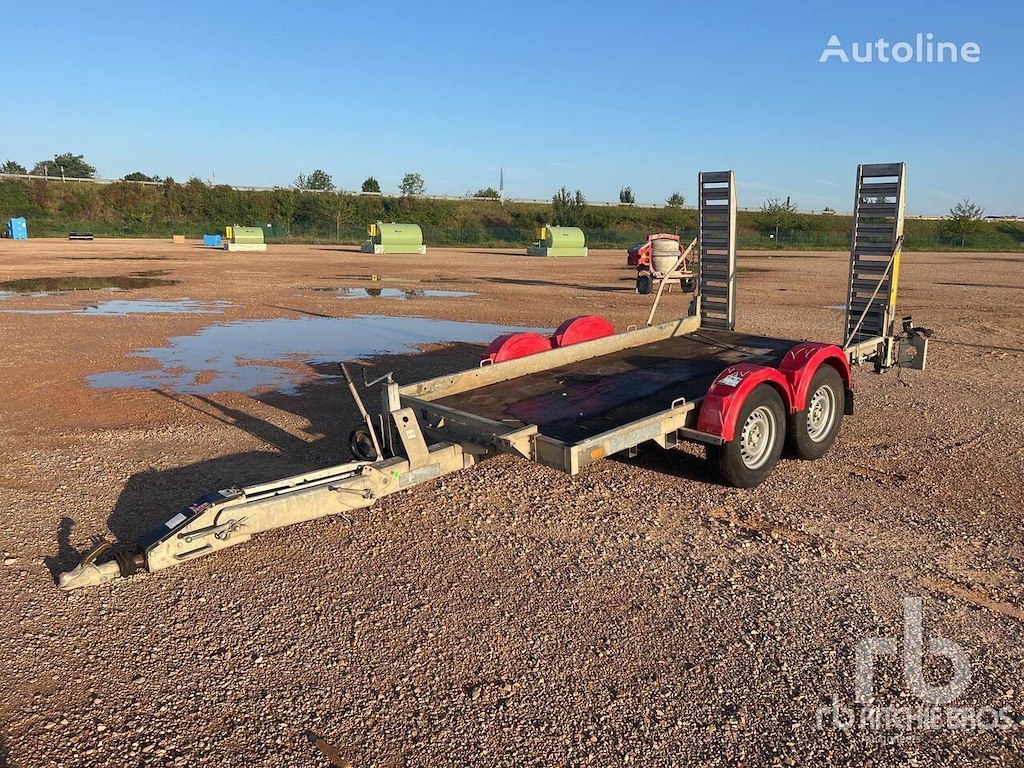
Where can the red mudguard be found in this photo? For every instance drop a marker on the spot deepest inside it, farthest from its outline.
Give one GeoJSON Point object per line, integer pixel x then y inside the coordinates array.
{"type": "Point", "coordinates": [792, 380]}
{"type": "Point", "coordinates": [722, 404]}
{"type": "Point", "coordinates": [802, 362]}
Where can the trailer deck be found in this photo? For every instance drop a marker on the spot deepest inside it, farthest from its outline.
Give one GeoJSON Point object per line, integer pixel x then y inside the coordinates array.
{"type": "Point", "coordinates": [580, 400]}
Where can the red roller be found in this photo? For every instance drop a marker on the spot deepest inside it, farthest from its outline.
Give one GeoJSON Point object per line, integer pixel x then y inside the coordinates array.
{"type": "Point", "coordinates": [583, 328]}
{"type": "Point", "coordinates": [513, 345]}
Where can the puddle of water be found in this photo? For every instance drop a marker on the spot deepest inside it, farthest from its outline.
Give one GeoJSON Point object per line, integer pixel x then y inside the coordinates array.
{"type": "Point", "coordinates": [122, 307]}
{"type": "Point", "coordinates": [405, 280]}
{"type": "Point", "coordinates": [400, 293]}
{"type": "Point", "coordinates": [244, 356]}
{"type": "Point", "coordinates": [376, 278]}
{"type": "Point", "coordinates": [44, 286]}
{"type": "Point", "coordinates": [156, 307]}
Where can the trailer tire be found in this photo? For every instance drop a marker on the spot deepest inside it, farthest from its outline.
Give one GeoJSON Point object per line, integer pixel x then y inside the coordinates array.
{"type": "Point", "coordinates": [361, 445]}
{"type": "Point", "coordinates": [747, 459]}
{"type": "Point", "coordinates": [644, 283]}
{"type": "Point", "coordinates": [813, 430]}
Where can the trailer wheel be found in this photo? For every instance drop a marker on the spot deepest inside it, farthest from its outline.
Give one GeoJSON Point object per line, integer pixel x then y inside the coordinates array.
{"type": "Point", "coordinates": [644, 283]}
{"type": "Point", "coordinates": [747, 459]}
{"type": "Point", "coordinates": [813, 430]}
{"type": "Point", "coordinates": [361, 445]}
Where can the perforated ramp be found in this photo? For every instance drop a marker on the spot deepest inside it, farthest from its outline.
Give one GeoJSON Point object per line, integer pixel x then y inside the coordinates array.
{"type": "Point", "coordinates": [584, 399]}
{"type": "Point", "coordinates": [717, 236]}
{"type": "Point", "coordinates": [878, 215]}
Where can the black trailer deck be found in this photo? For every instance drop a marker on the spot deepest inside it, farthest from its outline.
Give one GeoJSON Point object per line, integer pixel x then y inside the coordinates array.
{"type": "Point", "coordinates": [589, 397]}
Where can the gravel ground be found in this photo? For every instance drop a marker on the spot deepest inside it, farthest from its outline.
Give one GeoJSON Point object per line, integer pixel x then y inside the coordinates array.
{"type": "Point", "coordinates": [508, 614]}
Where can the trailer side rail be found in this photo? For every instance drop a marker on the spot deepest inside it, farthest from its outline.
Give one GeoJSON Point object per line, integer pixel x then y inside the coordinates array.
{"type": "Point", "coordinates": [462, 381]}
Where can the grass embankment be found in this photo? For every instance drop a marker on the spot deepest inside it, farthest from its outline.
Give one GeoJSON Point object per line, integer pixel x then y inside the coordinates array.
{"type": "Point", "coordinates": [131, 210]}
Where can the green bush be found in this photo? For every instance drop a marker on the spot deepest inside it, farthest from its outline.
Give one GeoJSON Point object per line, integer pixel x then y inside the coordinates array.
{"type": "Point", "coordinates": [194, 208]}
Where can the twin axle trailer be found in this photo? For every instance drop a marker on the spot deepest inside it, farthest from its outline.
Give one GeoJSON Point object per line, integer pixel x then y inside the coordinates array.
{"type": "Point", "coordinates": [590, 393]}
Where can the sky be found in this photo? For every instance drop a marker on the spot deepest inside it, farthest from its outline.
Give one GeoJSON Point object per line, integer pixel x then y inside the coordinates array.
{"type": "Point", "coordinates": [588, 95]}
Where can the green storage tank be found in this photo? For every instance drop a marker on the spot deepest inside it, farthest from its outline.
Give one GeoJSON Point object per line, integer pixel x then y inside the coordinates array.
{"type": "Point", "coordinates": [394, 238]}
{"type": "Point", "coordinates": [559, 241]}
{"type": "Point", "coordinates": [245, 239]}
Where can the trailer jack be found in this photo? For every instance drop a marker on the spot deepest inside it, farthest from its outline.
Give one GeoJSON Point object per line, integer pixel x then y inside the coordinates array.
{"type": "Point", "coordinates": [912, 345]}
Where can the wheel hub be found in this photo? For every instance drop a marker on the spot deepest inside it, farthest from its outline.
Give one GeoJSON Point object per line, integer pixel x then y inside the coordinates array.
{"type": "Point", "coordinates": [757, 437]}
{"type": "Point", "coordinates": [821, 413]}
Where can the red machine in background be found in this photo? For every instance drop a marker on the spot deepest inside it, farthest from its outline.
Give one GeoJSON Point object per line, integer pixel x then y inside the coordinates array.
{"type": "Point", "coordinates": [654, 261]}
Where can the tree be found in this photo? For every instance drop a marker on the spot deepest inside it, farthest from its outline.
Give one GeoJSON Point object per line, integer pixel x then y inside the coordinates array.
{"type": "Point", "coordinates": [67, 165]}
{"type": "Point", "coordinates": [675, 200]}
{"type": "Point", "coordinates": [412, 184]}
{"type": "Point", "coordinates": [567, 208]}
{"type": "Point", "coordinates": [777, 216]}
{"type": "Point", "coordinates": [626, 196]}
{"type": "Point", "coordinates": [371, 185]}
{"type": "Point", "coordinates": [964, 220]}
{"type": "Point", "coordinates": [490, 193]}
{"type": "Point", "coordinates": [320, 180]}
{"type": "Point", "coordinates": [12, 167]}
{"type": "Point", "coordinates": [140, 176]}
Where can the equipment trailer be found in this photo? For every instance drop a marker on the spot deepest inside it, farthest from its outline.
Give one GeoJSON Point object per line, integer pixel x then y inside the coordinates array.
{"type": "Point", "coordinates": [593, 393]}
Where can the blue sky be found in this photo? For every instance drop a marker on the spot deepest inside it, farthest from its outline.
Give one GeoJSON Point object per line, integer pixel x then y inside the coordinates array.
{"type": "Point", "coordinates": [591, 95]}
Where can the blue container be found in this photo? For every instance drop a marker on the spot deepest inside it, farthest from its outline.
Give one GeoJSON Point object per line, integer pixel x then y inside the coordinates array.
{"type": "Point", "coordinates": [17, 229]}
{"type": "Point", "coordinates": [213, 240]}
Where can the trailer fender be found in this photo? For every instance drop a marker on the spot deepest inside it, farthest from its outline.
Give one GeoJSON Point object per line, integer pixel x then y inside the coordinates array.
{"type": "Point", "coordinates": [725, 398]}
{"type": "Point", "coordinates": [584, 328]}
{"type": "Point", "coordinates": [802, 362]}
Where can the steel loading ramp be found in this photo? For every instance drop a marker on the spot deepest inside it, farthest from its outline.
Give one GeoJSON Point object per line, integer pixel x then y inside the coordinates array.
{"type": "Point", "coordinates": [875, 250]}
{"type": "Point", "coordinates": [717, 238]}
